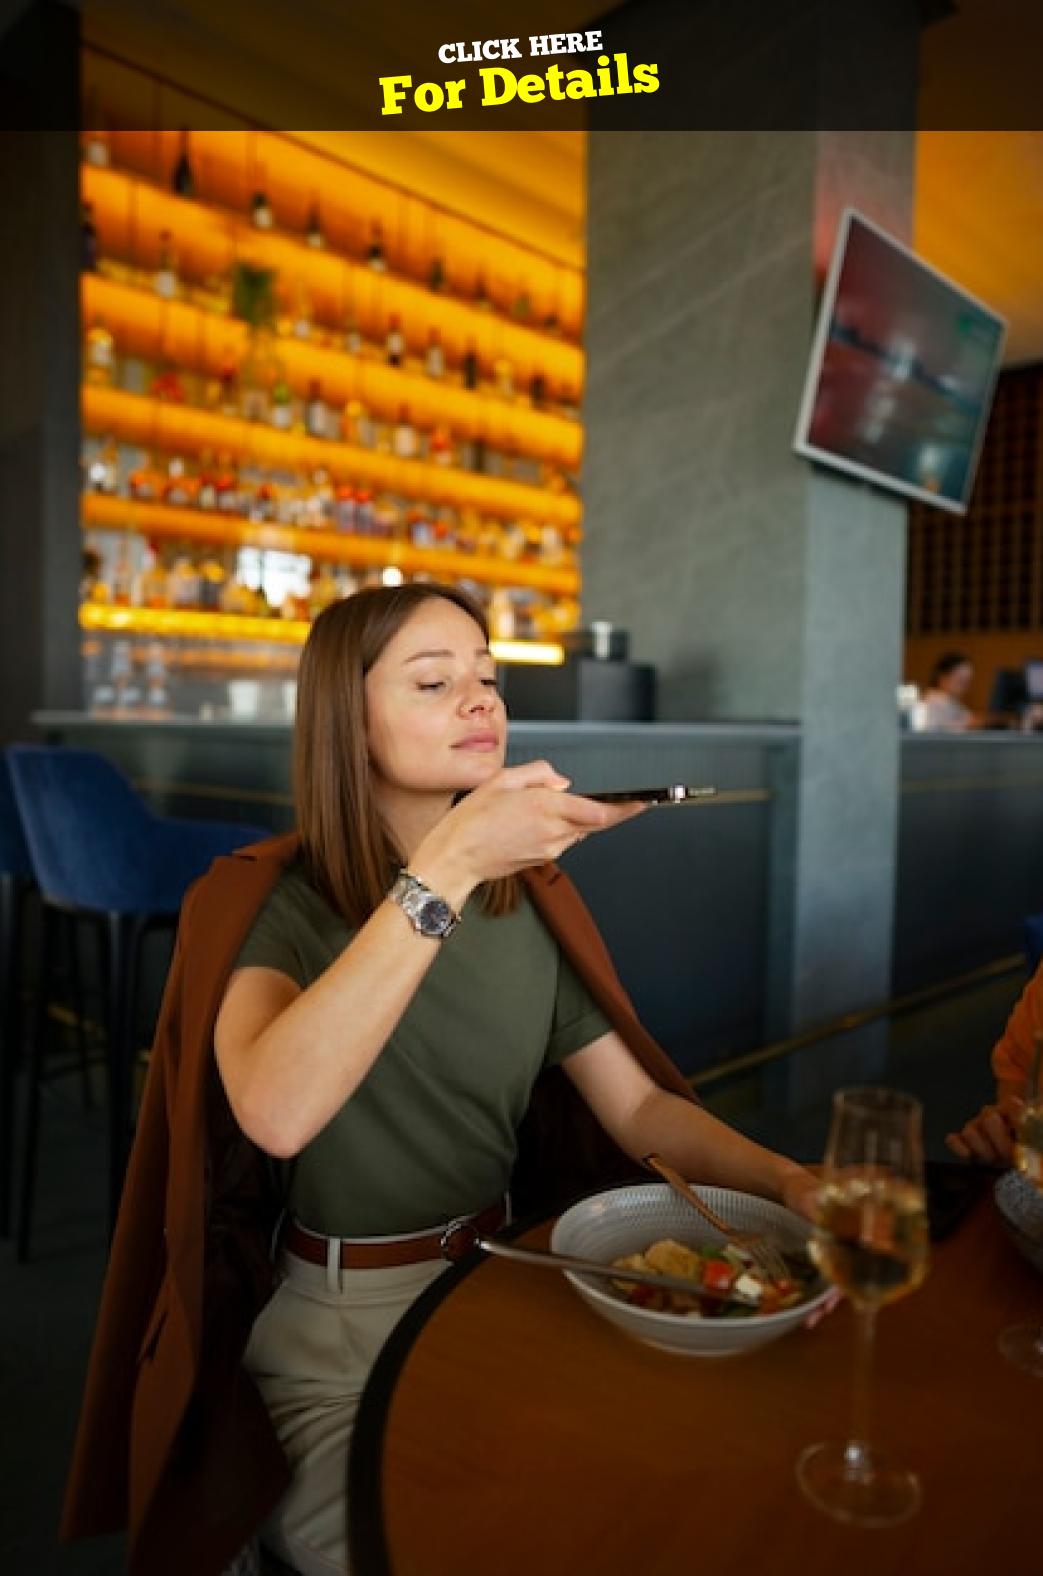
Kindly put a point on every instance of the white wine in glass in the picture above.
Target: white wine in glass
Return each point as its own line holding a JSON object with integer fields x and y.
{"x": 870, "y": 1240}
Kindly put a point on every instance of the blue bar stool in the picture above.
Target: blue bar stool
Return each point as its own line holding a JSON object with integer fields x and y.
{"x": 99, "y": 852}
{"x": 16, "y": 881}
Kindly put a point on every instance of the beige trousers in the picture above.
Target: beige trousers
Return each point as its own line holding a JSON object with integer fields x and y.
{"x": 310, "y": 1352}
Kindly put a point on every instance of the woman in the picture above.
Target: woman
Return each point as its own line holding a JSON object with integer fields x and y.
{"x": 943, "y": 708}
{"x": 393, "y": 1005}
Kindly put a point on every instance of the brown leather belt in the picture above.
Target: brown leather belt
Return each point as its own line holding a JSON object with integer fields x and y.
{"x": 377, "y": 1255}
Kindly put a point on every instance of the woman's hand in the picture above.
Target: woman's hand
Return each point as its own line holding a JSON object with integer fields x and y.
{"x": 519, "y": 818}
{"x": 989, "y": 1136}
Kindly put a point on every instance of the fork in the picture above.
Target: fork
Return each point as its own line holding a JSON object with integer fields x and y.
{"x": 761, "y": 1249}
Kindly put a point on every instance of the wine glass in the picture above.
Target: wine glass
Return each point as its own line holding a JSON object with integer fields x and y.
{"x": 1022, "y": 1344}
{"x": 870, "y": 1239}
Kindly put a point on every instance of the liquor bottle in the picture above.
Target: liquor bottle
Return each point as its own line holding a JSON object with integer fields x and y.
{"x": 344, "y": 509}
{"x": 302, "y": 324}
{"x": 88, "y": 239}
{"x": 503, "y": 373}
{"x": 481, "y": 295}
{"x": 440, "y": 449}
{"x": 206, "y": 496}
{"x": 469, "y": 367}
{"x": 122, "y": 577}
{"x": 538, "y": 391}
{"x": 436, "y": 277}
{"x": 521, "y": 307}
{"x": 314, "y": 235}
{"x": 316, "y": 411}
{"x": 176, "y": 489}
{"x": 376, "y": 257}
{"x": 364, "y": 512}
{"x": 395, "y": 343}
{"x": 434, "y": 356}
{"x": 103, "y": 469}
{"x": 183, "y": 180}
{"x": 228, "y": 381}
{"x": 261, "y": 210}
{"x": 229, "y": 498}
{"x": 149, "y": 588}
{"x": 403, "y": 442}
{"x": 100, "y": 356}
{"x": 353, "y": 341}
{"x": 281, "y": 405}
{"x": 167, "y": 385}
{"x": 165, "y": 279}
{"x": 323, "y": 499}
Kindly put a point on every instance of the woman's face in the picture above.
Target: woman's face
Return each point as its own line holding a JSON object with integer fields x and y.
{"x": 958, "y": 681}
{"x": 435, "y": 722}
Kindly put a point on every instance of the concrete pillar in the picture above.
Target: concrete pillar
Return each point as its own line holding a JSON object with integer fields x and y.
{"x": 40, "y": 542}
{"x": 761, "y": 589}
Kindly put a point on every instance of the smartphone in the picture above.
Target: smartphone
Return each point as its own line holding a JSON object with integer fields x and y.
{"x": 677, "y": 793}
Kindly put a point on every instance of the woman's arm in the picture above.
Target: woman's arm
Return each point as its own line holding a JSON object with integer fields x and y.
{"x": 989, "y": 1136}
{"x": 644, "y": 1119}
{"x": 289, "y": 1058}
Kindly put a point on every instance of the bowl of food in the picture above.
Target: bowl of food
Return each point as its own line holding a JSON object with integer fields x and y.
{"x": 1020, "y": 1204}
{"x": 732, "y": 1308}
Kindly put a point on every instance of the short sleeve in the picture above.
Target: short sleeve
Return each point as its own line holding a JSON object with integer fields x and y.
{"x": 578, "y": 1020}
{"x": 1013, "y": 1053}
{"x": 271, "y": 942}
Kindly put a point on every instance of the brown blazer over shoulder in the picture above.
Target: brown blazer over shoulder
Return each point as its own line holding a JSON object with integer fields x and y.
{"x": 174, "y": 1442}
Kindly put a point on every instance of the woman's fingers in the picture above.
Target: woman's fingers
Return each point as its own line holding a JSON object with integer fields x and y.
{"x": 988, "y": 1137}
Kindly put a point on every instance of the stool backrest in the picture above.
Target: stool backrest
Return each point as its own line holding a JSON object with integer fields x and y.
{"x": 14, "y": 853}
{"x": 88, "y": 830}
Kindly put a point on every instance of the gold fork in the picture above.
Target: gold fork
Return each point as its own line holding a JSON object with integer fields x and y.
{"x": 761, "y": 1249}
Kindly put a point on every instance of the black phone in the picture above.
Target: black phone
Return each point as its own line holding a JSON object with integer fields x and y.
{"x": 676, "y": 793}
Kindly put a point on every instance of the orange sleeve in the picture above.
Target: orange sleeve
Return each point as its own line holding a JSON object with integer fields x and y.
{"x": 1013, "y": 1052}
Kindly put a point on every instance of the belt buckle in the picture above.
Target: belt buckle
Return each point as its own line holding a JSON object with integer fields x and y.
{"x": 458, "y": 1238}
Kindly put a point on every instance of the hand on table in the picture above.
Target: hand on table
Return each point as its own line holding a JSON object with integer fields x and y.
{"x": 989, "y": 1136}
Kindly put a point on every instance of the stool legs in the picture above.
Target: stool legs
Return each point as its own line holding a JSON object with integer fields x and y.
{"x": 72, "y": 933}
{"x": 12, "y": 898}
{"x": 34, "y": 1076}
{"x": 123, "y": 936}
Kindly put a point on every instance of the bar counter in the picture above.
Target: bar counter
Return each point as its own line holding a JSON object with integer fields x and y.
{"x": 696, "y": 902}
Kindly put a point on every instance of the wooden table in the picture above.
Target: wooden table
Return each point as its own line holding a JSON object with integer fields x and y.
{"x": 509, "y": 1431}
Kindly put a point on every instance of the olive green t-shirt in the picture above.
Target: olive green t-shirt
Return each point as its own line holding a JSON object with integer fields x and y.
{"x": 430, "y": 1132}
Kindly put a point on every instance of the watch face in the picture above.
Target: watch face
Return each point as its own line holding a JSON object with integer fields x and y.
{"x": 435, "y": 916}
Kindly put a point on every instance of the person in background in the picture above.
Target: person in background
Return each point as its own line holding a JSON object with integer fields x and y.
{"x": 989, "y": 1136}
{"x": 943, "y": 708}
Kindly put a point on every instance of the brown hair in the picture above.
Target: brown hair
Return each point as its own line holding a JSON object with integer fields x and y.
{"x": 347, "y": 849}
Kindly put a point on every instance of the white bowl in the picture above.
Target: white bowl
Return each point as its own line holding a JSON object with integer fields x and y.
{"x": 629, "y": 1219}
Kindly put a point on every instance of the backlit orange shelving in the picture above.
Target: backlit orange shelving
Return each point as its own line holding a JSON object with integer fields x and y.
{"x": 154, "y": 424}
{"x": 194, "y": 340}
{"x": 162, "y": 522}
{"x": 130, "y": 215}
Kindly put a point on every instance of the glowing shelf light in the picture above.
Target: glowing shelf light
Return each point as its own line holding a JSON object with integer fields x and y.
{"x": 181, "y": 623}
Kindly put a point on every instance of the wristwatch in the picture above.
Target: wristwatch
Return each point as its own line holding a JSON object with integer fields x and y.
{"x": 429, "y": 914}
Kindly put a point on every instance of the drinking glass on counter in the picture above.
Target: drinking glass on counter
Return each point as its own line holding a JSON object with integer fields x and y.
{"x": 870, "y": 1240}
{"x": 1022, "y": 1344}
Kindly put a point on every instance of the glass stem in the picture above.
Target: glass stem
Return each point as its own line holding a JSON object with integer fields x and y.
{"x": 856, "y": 1451}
